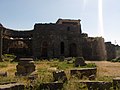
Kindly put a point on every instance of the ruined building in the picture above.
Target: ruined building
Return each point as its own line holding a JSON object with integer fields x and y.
{"x": 93, "y": 48}
{"x": 53, "y": 40}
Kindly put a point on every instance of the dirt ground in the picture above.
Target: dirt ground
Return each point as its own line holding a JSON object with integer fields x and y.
{"x": 105, "y": 68}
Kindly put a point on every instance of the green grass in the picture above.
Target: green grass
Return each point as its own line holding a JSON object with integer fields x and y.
{"x": 44, "y": 75}
{"x": 8, "y": 57}
{"x": 89, "y": 65}
{"x": 3, "y": 64}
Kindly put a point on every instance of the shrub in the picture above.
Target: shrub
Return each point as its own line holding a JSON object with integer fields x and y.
{"x": 8, "y": 57}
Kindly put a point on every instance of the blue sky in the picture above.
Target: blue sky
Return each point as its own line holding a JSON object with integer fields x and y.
{"x": 23, "y": 14}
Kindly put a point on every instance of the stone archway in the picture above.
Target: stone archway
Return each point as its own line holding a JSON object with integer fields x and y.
{"x": 73, "y": 50}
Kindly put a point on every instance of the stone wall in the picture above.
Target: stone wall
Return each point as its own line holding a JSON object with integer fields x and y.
{"x": 55, "y": 40}
{"x": 1, "y": 29}
{"x": 17, "y": 42}
{"x": 12, "y": 86}
{"x": 117, "y": 51}
{"x": 111, "y": 50}
{"x": 93, "y": 48}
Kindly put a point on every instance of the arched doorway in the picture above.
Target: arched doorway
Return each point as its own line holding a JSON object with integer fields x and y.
{"x": 73, "y": 50}
{"x": 44, "y": 49}
{"x": 62, "y": 48}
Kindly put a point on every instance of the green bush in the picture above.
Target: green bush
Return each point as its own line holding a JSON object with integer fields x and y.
{"x": 116, "y": 59}
{"x": 8, "y": 57}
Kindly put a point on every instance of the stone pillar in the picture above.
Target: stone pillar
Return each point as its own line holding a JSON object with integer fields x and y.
{"x": 1, "y": 30}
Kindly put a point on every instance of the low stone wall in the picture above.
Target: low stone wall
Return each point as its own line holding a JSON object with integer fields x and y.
{"x": 13, "y": 86}
{"x": 87, "y": 72}
{"x": 116, "y": 83}
{"x": 51, "y": 86}
{"x": 97, "y": 85}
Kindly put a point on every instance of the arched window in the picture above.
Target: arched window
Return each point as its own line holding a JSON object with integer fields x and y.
{"x": 62, "y": 47}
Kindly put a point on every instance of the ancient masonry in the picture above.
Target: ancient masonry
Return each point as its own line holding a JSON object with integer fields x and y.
{"x": 53, "y": 40}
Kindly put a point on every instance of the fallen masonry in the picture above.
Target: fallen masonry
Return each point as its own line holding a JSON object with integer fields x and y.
{"x": 25, "y": 66}
{"x": 51, "y": 86}
{"x": 79, "y": 61}
{"x": 59, "y": 76}
{"x": 3, "y": 74}
{"x": 12, "y": 86}
{"x": 116, "y": 83}
{"x": 96, "y": 85}
{"x": 83, "y": 72}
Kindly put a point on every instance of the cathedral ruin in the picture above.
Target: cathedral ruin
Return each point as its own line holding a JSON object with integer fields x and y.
{"x": 53, "y": 40}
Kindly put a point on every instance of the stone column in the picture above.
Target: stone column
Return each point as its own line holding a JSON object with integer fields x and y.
{"x": 1, "y": 30}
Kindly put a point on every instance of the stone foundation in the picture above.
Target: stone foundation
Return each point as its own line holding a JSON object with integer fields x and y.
{"x": 14, "y": 86}
{"x": 25, "y": 66}
{"x": 97, "y": 85}
{"x": 51, "y": 86}
{"x": 59, "y": 75}
{"x": 116, "y": 83}
{"x": 87, "y": 72}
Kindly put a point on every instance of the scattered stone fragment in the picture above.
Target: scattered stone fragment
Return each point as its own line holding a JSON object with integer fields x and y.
{"x": 52, "y": 69}
{"x": 92, "y": 77}
{"x": 97, "y": 85}
{"x": 14, "y": 86}
{"x": 51, "y": 86}
{"x": 3, "y": 74}
{"x": 25, "y": 66}
{"x": 33, "y": 76}
{"x": 116, "y": 83}
{"x": 79, "y": 61}
{"x": 59, "y": 76}
{"x": 81, "y": 72}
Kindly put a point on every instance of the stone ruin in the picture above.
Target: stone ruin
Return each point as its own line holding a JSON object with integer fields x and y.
{"x": 59, "y": 76}
{"x": 93, "y": 48}
{"x": 79, "y": 61}
{"x": 83, "y": 72}
{"x": 3, "y": 74}
{"x": 96, "y": 85}
{"x": 53, "y": 40}
{"x": 25, "y": 66}
{"x": 51, "y": 86}
{"x": 111, "y": 50}
{"x": 116, "y": 83}
{"x": 12, "y": 86}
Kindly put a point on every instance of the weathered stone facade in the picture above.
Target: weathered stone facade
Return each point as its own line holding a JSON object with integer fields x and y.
{"x": 93, "y": 48}
{"x": 0, "y": 42}
{"x": 53, "y": 40}
{"x": 111, "y": 50}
